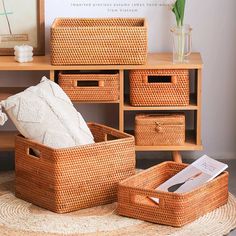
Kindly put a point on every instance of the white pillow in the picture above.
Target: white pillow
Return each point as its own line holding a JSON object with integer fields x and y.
{"x": 46, "y": 114}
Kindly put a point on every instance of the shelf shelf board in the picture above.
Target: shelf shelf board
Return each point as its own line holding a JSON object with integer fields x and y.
{"x": 6, "y": 92}
{"x": 7, "y": 143}
{"x": 190, "y": 144}
{"x": 154, "y": 61}
{"x": 7, "y": 140}
{"x": 192, "y": 106}
{"x": 96, "y": 102}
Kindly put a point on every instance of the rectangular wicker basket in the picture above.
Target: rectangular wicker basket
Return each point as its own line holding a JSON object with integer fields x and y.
{"x": 174, "y": 209}
{"x": 159, "y": 129}
{"x": 69, "y": 179}
{"x": 90, "y": 86}
{"x": 159, "y": 87}
{"x": 98, "y": 41}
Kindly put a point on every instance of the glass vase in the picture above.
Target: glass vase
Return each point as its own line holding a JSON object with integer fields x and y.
{"x": 182, "y": 43}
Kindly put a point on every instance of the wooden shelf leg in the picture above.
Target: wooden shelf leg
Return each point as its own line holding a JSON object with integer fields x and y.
{"x": 177, "y": 156}
{"x": 52, "y": 75}
{"x": 121, "y": 105}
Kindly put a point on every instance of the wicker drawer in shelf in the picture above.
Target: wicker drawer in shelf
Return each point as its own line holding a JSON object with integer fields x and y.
{"x": 69, "y": 179}
{"x": 90, "y": 86}
{"x": 174, "y": 209}
{"x": 159, "y": 87}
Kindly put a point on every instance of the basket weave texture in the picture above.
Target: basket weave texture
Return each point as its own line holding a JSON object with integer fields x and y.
{"x": 106, "y": 89}
{"x": 69, "y": 179}
{"x": 161, "y": 93}
{"x": 156, "y": 129}
{"x": 98, "y": 41}
{"x": 173, "y": 209}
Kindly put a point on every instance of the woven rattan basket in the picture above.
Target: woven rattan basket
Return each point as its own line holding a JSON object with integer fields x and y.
{"x": 98, "y": 41}
{"x": 174, "y": 209}
{"x": 90, "y": 86}
{"x": 159, "y": 87}
{"x": 157, "y": 129}
{"x": 68, "y": 179}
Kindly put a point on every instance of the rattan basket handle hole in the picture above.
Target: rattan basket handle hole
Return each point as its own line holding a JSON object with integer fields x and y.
{"x": 88, "y": 83}
{"x": 160, "y": 79}
{"x": 145, "y": 200}
{"x": 33, "y": 153}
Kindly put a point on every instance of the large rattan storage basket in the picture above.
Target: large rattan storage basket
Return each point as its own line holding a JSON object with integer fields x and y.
{"x": 159, "y": 87}
{"x": 64, "y": 180}
{"x": 98, "y": 41}
{"x": 174, "y": 209}
{"x": 159, "y": 129}
{"x": 90, "y": 86}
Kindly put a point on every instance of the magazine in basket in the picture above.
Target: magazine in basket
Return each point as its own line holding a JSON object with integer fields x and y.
{"x": 199, "y": 172}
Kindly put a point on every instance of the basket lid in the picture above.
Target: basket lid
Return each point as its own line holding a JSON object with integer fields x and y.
{"x": 174, "y": 119}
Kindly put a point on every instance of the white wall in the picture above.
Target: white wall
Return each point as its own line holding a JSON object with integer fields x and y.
{"x": 214, "y": 35}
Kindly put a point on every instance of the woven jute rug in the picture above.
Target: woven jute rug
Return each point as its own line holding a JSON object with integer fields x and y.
{"x": 20, "y": 218}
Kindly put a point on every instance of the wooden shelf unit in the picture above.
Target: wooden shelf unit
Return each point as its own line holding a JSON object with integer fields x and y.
{"x": 5, "y": 92}
{"x": 154, "y": 61}
{"x": 190, "y": 145}
{"x": 7, "y": 140}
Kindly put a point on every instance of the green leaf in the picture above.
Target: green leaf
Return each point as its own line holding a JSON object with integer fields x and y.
{"x": 177, "y": 16}
{"x": 181, "y": 8}
{"x": 178, "y": 10}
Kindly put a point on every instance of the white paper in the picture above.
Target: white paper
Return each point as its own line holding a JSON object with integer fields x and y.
{"x": 199, "y": 172}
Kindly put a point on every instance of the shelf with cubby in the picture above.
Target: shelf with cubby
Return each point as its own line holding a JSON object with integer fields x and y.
{"x": 5, "y": 92}
{"x": 154, "y": 61}
{"x": 7, "y": 140}
{"x": 189, "y": 145}
{"x": 192, "y": 106}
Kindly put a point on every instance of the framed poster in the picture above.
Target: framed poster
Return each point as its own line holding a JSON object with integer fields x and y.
{"x": 22, "y": 22}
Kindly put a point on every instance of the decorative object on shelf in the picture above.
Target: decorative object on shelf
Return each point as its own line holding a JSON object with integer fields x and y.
{"x": 69, "y": 179}
{"x": 181, "y": 43}
{"x": 174, "y": 209}
{"x": 45, "y": 113}
{"x": 157, "y": 129}
{"x": 181, "y": 34}
{"x": 19, "y": 27}
{"x": 23, "y": 53}
{"x": 159, "y": 87}
{"x": 90, "y": 85}
{"x": 113, "y": 41}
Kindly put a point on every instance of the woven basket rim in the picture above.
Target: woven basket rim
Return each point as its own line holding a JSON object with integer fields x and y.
{"x": 54, "y": 24}
{"x": 75, "y": 72}
{"x": 126, "y": 137}
{"x": 159, "y": 115}
{"x": 125, "y": 182}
